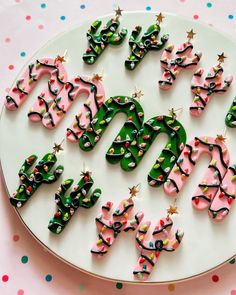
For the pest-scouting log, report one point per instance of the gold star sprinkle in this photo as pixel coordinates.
(60, 59)
(190, 35)
(172, 113)
(118, 12)
(97, 77)
(137, 94)
(159, 18)
(220, 137)
(172, 210)
(57, 147)
(133, 191)
(221, 57)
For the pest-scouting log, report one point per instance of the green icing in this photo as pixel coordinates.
(149, 41)
(67, 204)
(169, 155)
(30, 181)
(111, 107)
(99, 41)
(230, 119)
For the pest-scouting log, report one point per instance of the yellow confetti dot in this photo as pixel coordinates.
(171, 287)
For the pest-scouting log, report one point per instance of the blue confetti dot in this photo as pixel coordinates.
(22, 54)
(82, 6)
(209, 4)
(48, 278)
(43, 5)
(148, 8)
(62, 17)
(230, 16)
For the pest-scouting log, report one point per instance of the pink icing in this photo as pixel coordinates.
(225, 196)
(204, 90)
(173, 64)
(71, 90)
(110, 224)
(162, 239)
(215, 172)
(24, 86)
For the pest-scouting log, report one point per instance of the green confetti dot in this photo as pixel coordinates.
(232, 261)
(24, 259)
(43, 5)
(81, 287)
(119, 285)
(23, 54)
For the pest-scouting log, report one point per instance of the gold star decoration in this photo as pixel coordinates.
(221, 57)
(137, 94)
(159, 18)
(97, 77)
(220, 137)
(172, 210)
(57, 148)
(133, 191)
(60, 59)
(118, 12)
(190, 35)
(172, 113)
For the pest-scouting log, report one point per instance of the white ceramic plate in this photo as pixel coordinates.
(206, 245)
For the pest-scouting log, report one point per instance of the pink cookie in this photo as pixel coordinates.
(173, 64)
(162, 239)
(225, 196)
(70, 91)
(24, 86)
(204, 90)
(111, 225)
(212, 179)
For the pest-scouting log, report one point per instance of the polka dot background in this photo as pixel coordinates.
(25, 267)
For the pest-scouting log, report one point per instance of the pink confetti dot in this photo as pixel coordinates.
(182, 0)
(5, 278)
(15, 237)
(40, 27)
(215, 278)
(17, 1)
(11, 67)
(196, 16)
(7, 40)
(233, 292)
(28, 17)
(20, 292)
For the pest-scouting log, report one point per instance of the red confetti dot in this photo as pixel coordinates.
(40, 27)
(196, 16)
(215, 278)
(5, 278)
(20, 292)
(11, 67)
(7, 40)
(16, 238)
(28, 17)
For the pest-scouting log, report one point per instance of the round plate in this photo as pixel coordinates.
(206, 245)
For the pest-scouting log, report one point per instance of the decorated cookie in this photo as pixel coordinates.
(30, 180)
(212, 179)
(69, 93)
(162, 239)
(110, 224)
(225, 196)
(169, 155)
(111, 107)
(204, 90)
(230, 119)
(99, 41)
(173, 64)
(68, 204)
(24, 86)
(140, 47)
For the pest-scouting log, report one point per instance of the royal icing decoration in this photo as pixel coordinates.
(102, 119)
(230, 119)
(30, 180)
(162, 239)
(99, 41)
(225, 196)
(24, 86)
(140, 47)
(213, 177)
(110, 224)
(204, 90)
(174, 63)
(144, 139)
(62, 103)
(68, 204)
